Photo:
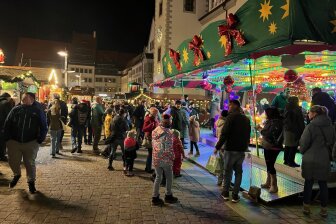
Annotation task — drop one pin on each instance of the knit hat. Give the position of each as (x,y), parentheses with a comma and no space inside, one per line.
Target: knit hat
(166,120)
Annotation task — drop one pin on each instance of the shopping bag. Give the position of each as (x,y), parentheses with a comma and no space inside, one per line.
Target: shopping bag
(213,164)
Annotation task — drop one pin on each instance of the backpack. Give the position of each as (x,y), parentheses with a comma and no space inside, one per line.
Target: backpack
(276,133)
(82,117)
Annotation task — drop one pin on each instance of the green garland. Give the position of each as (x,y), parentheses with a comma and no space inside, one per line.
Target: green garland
(20,78)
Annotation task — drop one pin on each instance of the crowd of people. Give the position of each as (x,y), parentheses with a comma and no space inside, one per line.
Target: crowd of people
(163,132)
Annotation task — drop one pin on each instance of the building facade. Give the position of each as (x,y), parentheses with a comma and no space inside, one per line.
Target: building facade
(178,20)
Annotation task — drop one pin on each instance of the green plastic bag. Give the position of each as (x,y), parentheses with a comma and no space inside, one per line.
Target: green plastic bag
(213,164)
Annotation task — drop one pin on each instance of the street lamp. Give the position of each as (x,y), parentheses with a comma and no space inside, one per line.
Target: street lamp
(65,55)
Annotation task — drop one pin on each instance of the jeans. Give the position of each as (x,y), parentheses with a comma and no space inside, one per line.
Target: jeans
(308,189)
(88,134)
(168,170)
(114,146)
(55,136)
(129,164)
(270,158)
(97,135)
(192,144)
(77,136)
(233,161)
(140,134)
(149,159)
(26,151)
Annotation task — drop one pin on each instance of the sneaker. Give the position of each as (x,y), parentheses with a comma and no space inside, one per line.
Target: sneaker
(74,150)
(58,153)
(324,213)
(53,156)
(157,201)
(171,199)
(79,150)
(110,168)
(130,174)
(190,153)
(32,188)
(177,175)
(14,181)
(294,165)
(235,198)
(306,209)
(225,195)
(197,154)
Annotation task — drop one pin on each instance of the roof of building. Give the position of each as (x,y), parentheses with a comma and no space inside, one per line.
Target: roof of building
(137,59)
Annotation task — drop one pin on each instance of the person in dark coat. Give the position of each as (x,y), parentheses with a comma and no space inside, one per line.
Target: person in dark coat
(293,128)
(235,137)
(139,117)
(6,104)
(324,99)
(316,144)
(176,116)
(64,114)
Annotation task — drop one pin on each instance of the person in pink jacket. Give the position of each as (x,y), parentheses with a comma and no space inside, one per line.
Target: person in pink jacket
(163,159)
(194,135)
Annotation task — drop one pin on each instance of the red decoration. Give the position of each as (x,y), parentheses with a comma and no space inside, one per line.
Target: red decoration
(229,31)
(195,45)
(290,76)
(228,81)
(228,89)
(2,57)
(258,89)
(176,58)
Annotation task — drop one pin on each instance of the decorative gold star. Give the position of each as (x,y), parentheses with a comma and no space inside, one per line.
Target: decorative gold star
(222,40)
(169,67)
(265,10)
(334,23)
(286,8)
(208,54)
(165,59)
(185,55)
(272,28)
(181,63)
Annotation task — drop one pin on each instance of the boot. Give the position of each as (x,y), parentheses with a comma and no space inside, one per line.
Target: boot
(306,209)
(274,184)
(31,186)
(267,184)
(157,201)
(324,212)
(110,167)
(79,150)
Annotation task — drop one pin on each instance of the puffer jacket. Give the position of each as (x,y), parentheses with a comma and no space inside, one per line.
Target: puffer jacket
(163,152)
(26,123)
(119,127)
(315,159)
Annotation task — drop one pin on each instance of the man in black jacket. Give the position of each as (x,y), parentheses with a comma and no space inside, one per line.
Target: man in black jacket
(139,118)
(176,115)
(25,128)
(118,128)
(6,104)
(235,137)
(324,99)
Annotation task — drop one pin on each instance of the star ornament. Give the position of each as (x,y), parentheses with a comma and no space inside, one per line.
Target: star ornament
(170,68)
(209,54)
(265,10)
(273,28)
(185,55)
(286,8)
(334,23)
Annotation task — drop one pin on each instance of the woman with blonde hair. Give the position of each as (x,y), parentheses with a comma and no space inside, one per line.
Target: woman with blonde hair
(55,125)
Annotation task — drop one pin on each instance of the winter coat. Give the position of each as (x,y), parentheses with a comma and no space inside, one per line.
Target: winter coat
(130,146)
(107,124)
(5,108)
(163,151)
(79,115)
(176,118)
(315,159)
(178,149)
(194,131)
(271,134)
(54,121)
(119,127)
(149,125)
(219,126)
(235,135)
(323,99)
(185,122)
(293,126)
(139,115)
(97,115)
(214,109)
(26,123)
(279,101)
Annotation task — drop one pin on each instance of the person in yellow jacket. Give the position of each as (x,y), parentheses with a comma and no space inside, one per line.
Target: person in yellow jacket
(107,131)
(107,122)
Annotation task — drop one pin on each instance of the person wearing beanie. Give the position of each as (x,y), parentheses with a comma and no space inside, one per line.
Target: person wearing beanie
(163,159)
(150,123)
(130,147)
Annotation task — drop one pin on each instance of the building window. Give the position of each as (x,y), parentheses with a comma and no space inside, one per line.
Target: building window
(90,80)
(113,80)
(80,70)
(189,5)
(90,71)
(85,71)
(77,70)
(160,8)
(159,54)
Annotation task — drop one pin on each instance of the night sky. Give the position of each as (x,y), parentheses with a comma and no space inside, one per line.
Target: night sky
(121,25)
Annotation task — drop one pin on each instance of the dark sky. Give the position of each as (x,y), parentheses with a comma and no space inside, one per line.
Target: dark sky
(120,24)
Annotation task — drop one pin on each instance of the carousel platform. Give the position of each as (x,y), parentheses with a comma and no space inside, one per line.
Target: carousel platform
(290,182)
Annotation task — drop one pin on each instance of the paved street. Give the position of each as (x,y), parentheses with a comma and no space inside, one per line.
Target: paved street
(79,189)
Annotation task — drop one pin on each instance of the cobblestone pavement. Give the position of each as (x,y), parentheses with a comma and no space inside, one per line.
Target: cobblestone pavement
(79,189)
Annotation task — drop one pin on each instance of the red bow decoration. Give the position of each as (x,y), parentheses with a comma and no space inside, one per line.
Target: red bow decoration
(2,56)
(176,58)
(229,31)
(195,45)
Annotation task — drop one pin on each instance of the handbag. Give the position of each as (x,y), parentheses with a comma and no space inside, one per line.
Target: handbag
(329,147)
(147,143)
